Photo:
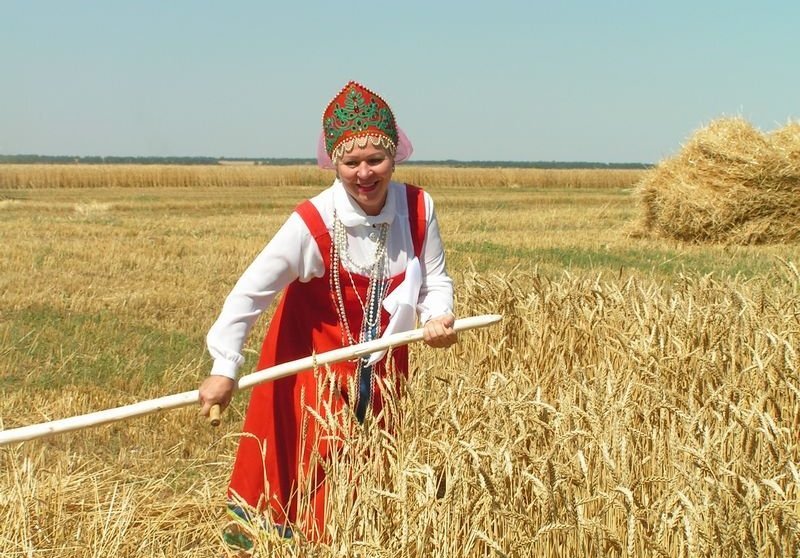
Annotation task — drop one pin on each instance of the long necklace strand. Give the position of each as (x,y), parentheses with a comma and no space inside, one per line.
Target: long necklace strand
(375,271)
(370,309)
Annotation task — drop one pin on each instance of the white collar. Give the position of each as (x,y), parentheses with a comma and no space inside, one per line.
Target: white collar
(351,214)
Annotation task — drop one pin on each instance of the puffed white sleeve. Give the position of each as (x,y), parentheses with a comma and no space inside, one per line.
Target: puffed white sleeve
(436,293)
(291,254)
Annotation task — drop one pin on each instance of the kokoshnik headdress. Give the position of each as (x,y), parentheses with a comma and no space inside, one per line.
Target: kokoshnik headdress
(357,116)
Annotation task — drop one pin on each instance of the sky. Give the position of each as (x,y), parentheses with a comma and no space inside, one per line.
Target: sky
(496,80)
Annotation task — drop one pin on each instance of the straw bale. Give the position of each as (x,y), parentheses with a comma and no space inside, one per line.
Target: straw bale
(730,183)
(786,140)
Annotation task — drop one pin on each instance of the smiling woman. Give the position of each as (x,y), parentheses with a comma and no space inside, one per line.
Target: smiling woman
(360,260)
(365,173)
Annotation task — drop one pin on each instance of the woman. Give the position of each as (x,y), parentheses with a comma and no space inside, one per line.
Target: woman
(360,259)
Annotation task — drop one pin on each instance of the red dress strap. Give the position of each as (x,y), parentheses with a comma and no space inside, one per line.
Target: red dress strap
(416,217)
(316,226)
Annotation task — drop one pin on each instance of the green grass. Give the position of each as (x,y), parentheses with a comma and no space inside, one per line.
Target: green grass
(487,256)
(50,348)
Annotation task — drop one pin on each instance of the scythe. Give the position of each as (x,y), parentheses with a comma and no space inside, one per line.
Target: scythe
(189,397)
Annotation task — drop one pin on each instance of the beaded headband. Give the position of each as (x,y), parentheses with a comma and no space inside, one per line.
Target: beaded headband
(357,116)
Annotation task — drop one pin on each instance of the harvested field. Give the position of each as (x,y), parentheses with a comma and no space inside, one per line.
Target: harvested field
(640,398)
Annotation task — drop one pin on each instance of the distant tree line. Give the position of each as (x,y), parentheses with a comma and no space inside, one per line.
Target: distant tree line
(534,164)
(97,160)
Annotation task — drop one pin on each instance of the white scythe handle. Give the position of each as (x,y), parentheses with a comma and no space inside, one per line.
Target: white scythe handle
(245,382)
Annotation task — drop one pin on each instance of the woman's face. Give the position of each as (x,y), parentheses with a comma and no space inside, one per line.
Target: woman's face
(365,173)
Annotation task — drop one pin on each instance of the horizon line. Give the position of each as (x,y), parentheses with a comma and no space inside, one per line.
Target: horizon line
(23,158)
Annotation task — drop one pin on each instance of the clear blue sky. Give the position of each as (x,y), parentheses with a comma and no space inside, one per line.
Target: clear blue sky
(468,80)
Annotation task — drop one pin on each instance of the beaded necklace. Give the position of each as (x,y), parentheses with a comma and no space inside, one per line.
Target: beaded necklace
(378,285)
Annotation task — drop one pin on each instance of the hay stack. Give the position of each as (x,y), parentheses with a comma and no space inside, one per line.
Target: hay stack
(730,183)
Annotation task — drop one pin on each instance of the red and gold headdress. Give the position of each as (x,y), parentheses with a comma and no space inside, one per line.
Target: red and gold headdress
(357,116)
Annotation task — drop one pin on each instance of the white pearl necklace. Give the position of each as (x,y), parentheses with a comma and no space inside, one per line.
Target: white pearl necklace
(378,284)
(340,239)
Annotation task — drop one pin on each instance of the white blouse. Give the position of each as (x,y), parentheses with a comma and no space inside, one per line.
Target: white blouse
(292,254)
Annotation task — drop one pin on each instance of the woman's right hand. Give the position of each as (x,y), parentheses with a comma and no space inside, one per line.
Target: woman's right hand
(216,390)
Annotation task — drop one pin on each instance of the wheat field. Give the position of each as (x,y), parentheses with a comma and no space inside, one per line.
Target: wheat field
(22,176)
(639,398)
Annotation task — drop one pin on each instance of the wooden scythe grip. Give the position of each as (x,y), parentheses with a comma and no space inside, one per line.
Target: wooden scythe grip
(213,415)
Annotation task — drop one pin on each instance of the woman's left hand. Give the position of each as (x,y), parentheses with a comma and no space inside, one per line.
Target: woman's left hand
(438,332)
